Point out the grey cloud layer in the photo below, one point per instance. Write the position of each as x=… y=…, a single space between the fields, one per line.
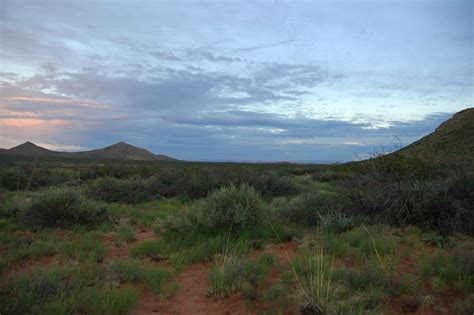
x=234 y=79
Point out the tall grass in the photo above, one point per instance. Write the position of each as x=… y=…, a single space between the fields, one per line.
x=125 y=234
x=455 y=270
x=231 y=274
x=314 y=273
x=64 y=290
x=133 y=271
x=104 y=301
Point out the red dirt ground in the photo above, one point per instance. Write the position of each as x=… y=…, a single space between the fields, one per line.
x=192 y=298
x=119 y=250
x=444 y=300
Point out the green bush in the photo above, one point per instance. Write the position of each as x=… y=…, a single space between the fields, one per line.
x=13 y=179
x=448 y=206
x=62 y=208
x=336 y=222
x=110 y=189
x=63 y=290
x=402 y=191
x=308 y=209
x=232 y=275
x=231 y=207
x=236 y=206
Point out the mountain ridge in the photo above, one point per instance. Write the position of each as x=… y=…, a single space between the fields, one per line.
x=452 y=142
x=118 y=151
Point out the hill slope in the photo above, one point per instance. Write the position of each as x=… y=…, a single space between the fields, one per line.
x=118 y=151
x=30 y=149
x=121 y=151
x=451 y=143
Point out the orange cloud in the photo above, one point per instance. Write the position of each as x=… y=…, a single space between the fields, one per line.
x=84 y=103
x=31 y=123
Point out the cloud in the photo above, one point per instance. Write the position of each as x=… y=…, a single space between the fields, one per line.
x=162 y=55
x=217 y=81
x=210 y=57
x=262 y=46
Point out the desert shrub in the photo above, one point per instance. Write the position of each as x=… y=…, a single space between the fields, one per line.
x=329 y=175
x=30 y=295
x=449 y=206
x=336 y=222
x=60 y=290
x=62 y=207
x=402 y=191
x=271 y=184
x=191 y=217
x=308 y=209
x=197 y=182
x=111 y=189
x=232 y=275
x=434 y=239
x=236 y=206
x=231 y=207
x=13 y=179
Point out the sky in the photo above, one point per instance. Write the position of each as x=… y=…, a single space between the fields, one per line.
x=233 y=80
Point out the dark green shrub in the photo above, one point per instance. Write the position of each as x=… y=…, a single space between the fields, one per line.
x=336 y=222
x=307 y=209
x=446 y=206
x=110 y=189
x=62 y=208
x=236 y=206
x=60 y=290
x=30 y=295
x=13 y=179
x=401 y=191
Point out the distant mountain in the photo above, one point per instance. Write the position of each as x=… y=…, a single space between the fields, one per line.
x=118 y=151
x=451 y=143
x=29 y=148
